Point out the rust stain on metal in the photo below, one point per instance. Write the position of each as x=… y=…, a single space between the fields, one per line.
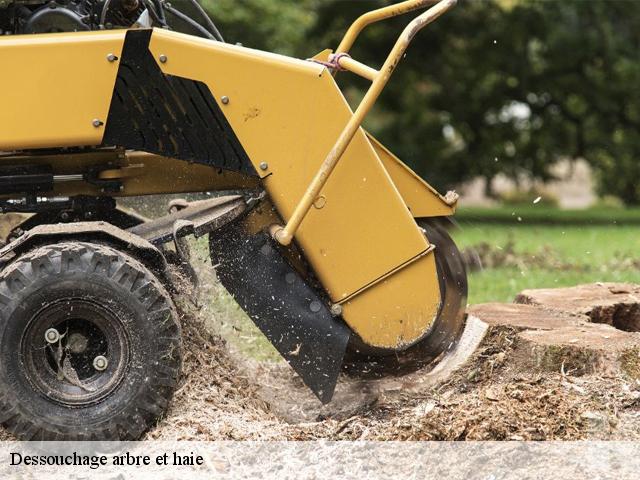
x=252 y=113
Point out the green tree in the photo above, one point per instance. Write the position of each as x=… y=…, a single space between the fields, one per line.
x=495 y=86
x=273 y=25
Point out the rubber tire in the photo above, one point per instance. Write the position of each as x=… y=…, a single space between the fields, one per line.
x=150 y=322
x=362 y=360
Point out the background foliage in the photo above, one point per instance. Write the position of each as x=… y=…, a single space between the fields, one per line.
x=506 y=86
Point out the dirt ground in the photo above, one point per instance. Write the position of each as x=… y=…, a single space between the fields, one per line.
x=499 y=394
x=543 y=374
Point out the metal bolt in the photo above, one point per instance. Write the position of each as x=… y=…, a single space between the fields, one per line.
x=320 y=202
x=100 y=363
x=163 y=58
x=52 y=336
x=111 y=57
x=97 y=122
x=315 y=306
x=264 y=166
x=336 y=310
x=225 y=100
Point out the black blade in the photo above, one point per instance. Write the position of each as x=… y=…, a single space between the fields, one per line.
x=452 y=276
x=290 y=314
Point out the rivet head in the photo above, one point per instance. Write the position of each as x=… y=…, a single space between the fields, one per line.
x=336 y=310
x=100 y=363
x=163 y=58
x=264 y=166
x=97 y=122
x=111 y=57
x=225 y=100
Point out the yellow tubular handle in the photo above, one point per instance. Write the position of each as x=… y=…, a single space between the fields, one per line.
x=376 y=16
x=284 y=235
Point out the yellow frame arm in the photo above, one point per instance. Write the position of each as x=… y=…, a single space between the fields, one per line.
x=284 y=235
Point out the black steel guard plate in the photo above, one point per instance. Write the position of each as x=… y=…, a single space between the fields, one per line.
x=290 y=314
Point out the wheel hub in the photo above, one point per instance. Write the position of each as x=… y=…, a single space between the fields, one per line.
x=77 y=343
x=75 y=351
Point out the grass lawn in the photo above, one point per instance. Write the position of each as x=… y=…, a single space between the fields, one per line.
x=542 y=214
x=545 y=256
x=551 y=256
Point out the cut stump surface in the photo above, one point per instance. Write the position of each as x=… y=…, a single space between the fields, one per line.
x=588 y=329
x=615 y=304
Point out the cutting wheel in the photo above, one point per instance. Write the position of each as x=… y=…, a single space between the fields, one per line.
x=447 y=328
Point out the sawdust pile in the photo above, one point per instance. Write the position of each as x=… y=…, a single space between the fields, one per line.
x=215 y=399
x=225 y=396
x=487 y=400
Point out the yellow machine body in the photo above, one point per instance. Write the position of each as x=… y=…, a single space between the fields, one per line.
x=336 y=250
x=360 y=237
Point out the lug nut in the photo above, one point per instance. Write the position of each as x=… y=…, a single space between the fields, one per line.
x=100 y=363
x=52 y=336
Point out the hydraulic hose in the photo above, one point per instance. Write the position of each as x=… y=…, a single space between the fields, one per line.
x=190 y=21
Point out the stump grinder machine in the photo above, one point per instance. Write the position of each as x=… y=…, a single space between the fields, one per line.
x=334 y=248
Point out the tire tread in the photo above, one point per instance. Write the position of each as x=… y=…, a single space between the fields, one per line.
x=116 y=267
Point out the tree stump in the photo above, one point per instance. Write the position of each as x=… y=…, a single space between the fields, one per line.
x=615 y=304
x=588 y=329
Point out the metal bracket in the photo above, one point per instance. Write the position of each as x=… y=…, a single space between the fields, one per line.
x=198 y=219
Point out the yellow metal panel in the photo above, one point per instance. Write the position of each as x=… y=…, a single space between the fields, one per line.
x=54 y=86
x=421 y=198
x=399 y=310
x=288 y=114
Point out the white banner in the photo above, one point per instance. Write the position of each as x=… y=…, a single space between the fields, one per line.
x=319 y=460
